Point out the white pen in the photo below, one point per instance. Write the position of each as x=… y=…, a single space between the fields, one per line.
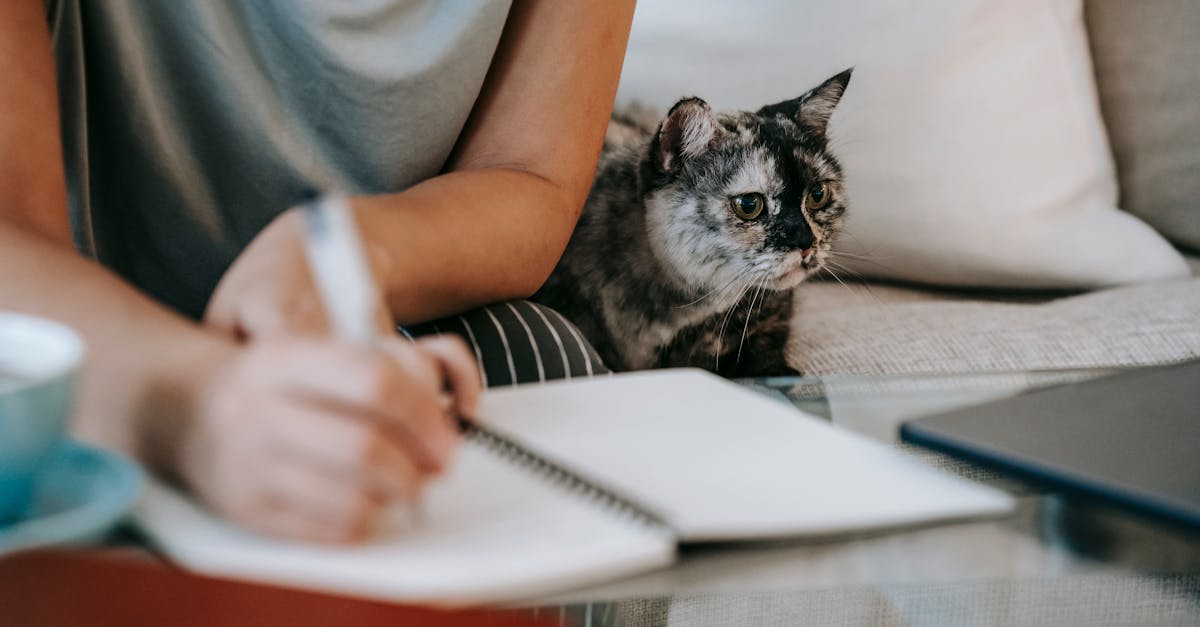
x=335 y=257
x=339 y=268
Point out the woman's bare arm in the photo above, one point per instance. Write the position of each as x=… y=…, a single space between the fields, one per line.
x=39 y=270
x=492 y=227
x=292 y=437
x=522 y=168
x=32 y=186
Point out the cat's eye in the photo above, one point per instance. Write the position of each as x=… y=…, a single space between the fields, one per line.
x=818 y=197
x=748 y=206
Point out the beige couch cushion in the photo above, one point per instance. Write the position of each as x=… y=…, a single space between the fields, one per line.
x=880 y=329
x=1146 y=54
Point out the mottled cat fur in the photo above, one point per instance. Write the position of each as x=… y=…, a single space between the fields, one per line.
x=661 y=271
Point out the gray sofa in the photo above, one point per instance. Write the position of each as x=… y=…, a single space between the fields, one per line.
x=1145 y=56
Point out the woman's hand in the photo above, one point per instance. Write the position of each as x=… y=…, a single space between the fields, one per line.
x=310 y=439
x=269 y=292
x=306 y=437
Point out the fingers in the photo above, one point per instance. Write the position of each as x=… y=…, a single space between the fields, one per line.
x=427 y=418
x=260 y=317
x=221 y=318
x=286 y=514
x=331 y=509
x=269 y=291
x=311 y=438
x=286 y=523
x=457 y=366
x=298 y=470
x=399 y=388
x=356 y=452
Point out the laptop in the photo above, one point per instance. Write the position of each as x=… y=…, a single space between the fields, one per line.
x=1131 y=439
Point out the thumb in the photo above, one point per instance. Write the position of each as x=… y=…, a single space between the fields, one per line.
x=260 y=317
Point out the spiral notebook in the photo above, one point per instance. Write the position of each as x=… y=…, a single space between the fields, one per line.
x=575 y=482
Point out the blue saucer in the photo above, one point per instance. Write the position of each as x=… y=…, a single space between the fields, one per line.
x=83 y=493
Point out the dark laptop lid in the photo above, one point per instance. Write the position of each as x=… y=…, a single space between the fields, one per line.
x=1132 y=439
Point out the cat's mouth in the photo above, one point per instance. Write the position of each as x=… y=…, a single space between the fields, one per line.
x=797 y=265
x=811 y=259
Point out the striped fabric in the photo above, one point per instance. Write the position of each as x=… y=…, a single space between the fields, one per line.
x=519 y=342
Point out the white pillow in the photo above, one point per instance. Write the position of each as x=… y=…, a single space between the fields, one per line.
x=970 y=134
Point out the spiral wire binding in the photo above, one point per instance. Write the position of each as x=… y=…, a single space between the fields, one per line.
x=559 y=475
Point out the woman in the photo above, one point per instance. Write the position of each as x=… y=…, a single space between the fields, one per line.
x=468 y=132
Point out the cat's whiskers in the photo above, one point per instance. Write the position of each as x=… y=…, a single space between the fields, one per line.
x=857 y=275
x=829 y=268
x=861 y=259
x=832 y=263
x=764 y=298
x=725 y=322
x=872 y=255
x=866 y=285
x=759 y=292
x=851 y=255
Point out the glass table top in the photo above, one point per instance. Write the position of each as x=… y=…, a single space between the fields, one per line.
x=1055 y=561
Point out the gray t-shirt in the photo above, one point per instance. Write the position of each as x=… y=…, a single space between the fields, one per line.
x=188 y=125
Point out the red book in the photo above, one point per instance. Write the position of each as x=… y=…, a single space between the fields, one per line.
x=129 y=587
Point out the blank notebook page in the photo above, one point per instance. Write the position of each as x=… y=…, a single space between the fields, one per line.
x=487 y=531
x=720 y=462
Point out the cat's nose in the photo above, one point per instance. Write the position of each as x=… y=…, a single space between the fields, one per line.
x=801 y=237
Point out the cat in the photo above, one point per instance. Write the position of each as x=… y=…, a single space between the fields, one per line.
x=695 y=233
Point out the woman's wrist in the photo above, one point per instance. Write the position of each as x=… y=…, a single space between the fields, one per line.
x=381 y=255
x=174 y=393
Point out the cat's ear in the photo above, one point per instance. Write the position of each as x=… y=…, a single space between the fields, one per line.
x=813 y=110
x=687 y=131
